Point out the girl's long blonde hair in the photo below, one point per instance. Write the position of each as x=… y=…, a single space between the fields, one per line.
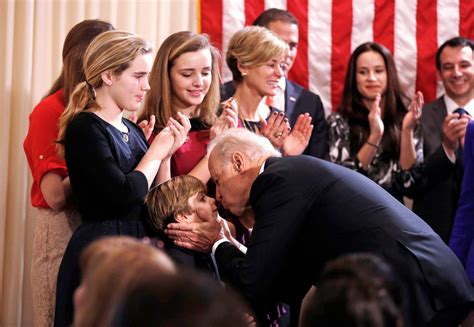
x=110 y=51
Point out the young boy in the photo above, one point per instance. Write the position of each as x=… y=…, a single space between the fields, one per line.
x=183 y=199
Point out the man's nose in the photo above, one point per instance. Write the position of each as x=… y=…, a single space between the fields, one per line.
x=457 y=70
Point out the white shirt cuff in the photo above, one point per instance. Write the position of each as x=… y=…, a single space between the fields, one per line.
x=216 y=244
x=452 y=157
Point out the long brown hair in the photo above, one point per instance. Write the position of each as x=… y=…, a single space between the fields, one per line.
x=353 y=109
x=110 y=51
x=75 y=44
x=159 y=101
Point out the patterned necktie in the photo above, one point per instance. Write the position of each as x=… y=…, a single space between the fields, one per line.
x=459 y=151
x=461 y=111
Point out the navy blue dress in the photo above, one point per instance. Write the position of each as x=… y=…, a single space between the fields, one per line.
x=108 y=192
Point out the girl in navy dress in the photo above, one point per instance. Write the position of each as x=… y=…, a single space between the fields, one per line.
x=110 y=164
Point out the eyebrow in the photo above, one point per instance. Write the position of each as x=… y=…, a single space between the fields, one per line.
x=366 y=67
x=193 y=69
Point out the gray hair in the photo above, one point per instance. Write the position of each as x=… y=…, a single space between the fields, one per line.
x=244 y=141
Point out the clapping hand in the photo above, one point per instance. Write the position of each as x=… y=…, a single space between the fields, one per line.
x=146 y=126
x=375 y=118
x=164 y=143
x=276 y=129
x=180 y=131
x=414 y=112
x=299 y=136
x=454 y=131
x=228 y=119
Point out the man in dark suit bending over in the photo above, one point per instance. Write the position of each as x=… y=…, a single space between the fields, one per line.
x=292 y=98
x=308 y=211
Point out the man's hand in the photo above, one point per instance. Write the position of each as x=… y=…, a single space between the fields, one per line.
x=197 y=236
x=454 y=130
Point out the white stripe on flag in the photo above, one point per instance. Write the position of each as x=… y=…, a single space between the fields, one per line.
x=233 y=19
x=319 y=50
x=280 y=4
x=363 y=12
x=448 y=27
x=405 y=44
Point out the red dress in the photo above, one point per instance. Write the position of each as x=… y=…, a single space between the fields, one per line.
x=192 y=151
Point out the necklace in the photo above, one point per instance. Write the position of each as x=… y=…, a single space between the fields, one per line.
x=122 y=128
x=251 y=125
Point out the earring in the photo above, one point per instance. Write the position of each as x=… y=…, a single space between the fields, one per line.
x=244 y=74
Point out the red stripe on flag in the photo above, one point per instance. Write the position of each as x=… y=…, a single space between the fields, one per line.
x=384 y=23
x=299 y=73
x=211 y=21
x=253 y=8
x=426 y=44
x=341 y=47
x=466 y=18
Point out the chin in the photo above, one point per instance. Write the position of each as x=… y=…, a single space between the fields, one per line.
x=237 y=211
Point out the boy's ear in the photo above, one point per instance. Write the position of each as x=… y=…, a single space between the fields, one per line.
x=181 y=217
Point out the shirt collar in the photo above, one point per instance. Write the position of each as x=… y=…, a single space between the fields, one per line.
x=282 y=83
x=262 y=167
x=451 y=105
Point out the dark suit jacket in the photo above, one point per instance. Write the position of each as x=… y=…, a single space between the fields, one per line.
x=462 y=236
x=299 y=101
x=309 y=211
x=437 y=197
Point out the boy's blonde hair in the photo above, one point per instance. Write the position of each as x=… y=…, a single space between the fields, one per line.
x=167 y=200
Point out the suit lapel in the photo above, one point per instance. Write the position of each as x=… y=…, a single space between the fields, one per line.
x=292 y=93
x=439 y=112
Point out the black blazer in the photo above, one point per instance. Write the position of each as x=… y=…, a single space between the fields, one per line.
x=436 y=200
x=299 y=101
x=309 y=211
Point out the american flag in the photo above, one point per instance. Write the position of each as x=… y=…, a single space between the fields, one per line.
x=329 y=30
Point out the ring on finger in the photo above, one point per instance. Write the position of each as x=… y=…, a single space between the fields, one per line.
x=278 y=134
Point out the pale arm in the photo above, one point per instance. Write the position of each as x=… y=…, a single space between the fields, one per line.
x=55 y=189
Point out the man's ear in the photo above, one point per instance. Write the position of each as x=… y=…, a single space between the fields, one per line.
x=107 y=77
x=238 y=162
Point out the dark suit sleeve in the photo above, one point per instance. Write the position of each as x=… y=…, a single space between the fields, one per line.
x=318 y=144
x=436 y=168
x=280 y=210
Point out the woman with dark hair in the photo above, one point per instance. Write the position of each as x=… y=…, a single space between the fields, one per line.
x=373 y=132
x=51 y=189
